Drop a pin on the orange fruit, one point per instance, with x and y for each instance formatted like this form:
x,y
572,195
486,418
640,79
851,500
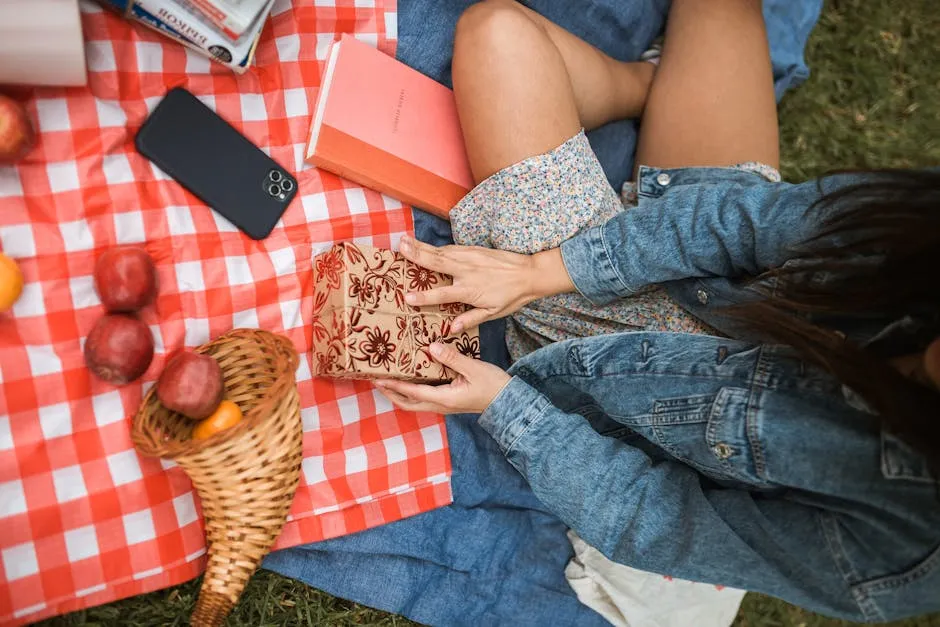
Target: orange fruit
x,y
11,282
226,415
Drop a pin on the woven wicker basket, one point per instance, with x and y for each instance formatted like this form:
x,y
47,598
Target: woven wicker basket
x,y
245,476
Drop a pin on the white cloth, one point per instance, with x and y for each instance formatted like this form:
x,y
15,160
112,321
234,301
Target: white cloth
x,y
627,597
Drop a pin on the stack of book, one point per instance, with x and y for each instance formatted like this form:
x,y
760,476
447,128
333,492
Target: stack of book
x,y
226,31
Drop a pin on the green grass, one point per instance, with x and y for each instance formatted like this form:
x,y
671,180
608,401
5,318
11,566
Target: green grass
x,y
269,601
873,101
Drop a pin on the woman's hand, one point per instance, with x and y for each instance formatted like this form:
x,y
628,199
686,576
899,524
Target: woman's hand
x,y
495,283
475,387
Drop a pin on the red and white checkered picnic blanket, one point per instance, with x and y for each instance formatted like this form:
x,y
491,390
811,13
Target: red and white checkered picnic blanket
x,y
83,519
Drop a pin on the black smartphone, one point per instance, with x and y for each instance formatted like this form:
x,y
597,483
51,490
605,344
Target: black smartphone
x,y
202,152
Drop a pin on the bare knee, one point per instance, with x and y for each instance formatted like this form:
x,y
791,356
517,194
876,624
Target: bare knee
x,y
492,26
485,12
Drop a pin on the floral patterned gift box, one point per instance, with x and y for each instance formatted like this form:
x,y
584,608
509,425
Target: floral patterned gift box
x,y
362,327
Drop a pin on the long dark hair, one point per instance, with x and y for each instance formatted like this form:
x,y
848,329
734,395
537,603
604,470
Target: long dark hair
x,y
879,248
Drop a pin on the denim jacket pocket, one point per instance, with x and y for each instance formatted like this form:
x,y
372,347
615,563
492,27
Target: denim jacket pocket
x,y
677,426
910,592
684,409
732,437
708,433
900,461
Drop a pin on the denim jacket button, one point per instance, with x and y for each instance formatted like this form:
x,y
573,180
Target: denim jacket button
x,y
663,179
702,296
722,450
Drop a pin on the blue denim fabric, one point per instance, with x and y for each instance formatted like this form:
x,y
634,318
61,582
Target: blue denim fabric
x,y
696,231
496,556
725,462
712,459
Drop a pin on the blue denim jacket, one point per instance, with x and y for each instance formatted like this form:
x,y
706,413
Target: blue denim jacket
x,y
714,459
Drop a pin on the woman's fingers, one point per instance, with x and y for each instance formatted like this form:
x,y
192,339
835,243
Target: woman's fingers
x,y
425,255
440,394
418,397
404,402
469,319
476,385
437,296
453,359
450,294
415,392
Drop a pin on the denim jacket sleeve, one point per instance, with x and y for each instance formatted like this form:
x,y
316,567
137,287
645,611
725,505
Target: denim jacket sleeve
x,y
660,517
720,225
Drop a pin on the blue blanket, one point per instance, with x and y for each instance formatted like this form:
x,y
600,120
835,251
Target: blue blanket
x,y
496,556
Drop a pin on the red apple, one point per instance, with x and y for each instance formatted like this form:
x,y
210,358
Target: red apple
x,y
119,348
191,384
16,131
126,279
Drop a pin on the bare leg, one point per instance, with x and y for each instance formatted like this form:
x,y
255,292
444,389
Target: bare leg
x,y
712,102
524,86
604,89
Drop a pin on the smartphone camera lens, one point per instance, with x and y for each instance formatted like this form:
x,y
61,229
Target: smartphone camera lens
x,y
274,175
274,190
287,185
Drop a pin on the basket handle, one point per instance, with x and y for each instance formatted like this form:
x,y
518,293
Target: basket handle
x,y
147,442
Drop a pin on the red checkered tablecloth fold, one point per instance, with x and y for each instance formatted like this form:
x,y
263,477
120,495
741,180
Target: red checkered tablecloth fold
x,y
83,519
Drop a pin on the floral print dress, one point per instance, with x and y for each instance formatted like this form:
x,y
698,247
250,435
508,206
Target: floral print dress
x,y
537,204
